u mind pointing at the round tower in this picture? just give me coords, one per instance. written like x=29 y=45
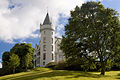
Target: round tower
x=47 y=42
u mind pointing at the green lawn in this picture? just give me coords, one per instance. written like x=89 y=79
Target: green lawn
x=48 y=74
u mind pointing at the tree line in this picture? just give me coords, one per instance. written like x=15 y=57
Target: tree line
x=18 y=59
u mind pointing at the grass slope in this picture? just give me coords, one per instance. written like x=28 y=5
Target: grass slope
x=48 y=74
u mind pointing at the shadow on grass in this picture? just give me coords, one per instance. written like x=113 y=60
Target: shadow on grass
x=118 y=76
x=52 y=74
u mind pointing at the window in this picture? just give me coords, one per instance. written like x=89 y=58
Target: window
x=52 y=33
x=52 y=40
x=44 y=39
x=44 y=32
x=44 y=47
x=52 y=56
x=38 y=53
x=43 y=63
x=34 y=56
x=35 y=63
x=52 y=47
x=44 y=56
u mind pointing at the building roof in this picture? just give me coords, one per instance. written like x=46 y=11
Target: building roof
x=47 y=20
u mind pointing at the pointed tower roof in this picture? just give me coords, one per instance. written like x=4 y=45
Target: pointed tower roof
x=47 y=20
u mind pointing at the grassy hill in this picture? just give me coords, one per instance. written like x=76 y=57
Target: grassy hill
x=48 y=74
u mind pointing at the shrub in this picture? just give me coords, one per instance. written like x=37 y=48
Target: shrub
x=61 y=65
x=51 y=65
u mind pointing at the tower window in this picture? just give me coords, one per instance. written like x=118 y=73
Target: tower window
x=52 y=56
x=44 y=39
x=52 y=33
x=44 y=47
x=52 y=40
x=52 y=47
x=44 y=32
x=44 y=56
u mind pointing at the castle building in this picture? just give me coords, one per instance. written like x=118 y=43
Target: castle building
x=48 y=49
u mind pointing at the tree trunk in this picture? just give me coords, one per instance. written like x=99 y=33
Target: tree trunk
x=13 y=70
x=103 y=68
x=26 y=68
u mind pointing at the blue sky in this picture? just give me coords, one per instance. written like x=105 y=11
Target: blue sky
x=20 y=19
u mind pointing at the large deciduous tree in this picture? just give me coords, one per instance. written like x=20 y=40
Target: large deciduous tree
x=22 y=50
x=92 y=33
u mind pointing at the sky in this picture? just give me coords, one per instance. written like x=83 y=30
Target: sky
x=20 y=19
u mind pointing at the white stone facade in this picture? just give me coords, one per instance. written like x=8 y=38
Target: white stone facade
x=48 y=49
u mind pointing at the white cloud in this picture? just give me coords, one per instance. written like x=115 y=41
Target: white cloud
x=24 y=16
x=0 y=59
x=58 y=35
x=0 y=65
x=59 y=27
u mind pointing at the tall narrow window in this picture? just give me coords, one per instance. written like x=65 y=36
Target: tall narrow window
x=44 y=47
x=44 y=32
x=52 y=47
x=38 y=53
x=44 y=39
x=52 y=56
x=52 y=40
x=52 y=33
x=44 y=56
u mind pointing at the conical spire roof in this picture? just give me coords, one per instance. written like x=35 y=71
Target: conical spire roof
x=47 y=20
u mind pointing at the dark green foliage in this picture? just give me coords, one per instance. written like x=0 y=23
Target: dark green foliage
x=5 y=58
x=27 y=60
x=92 y=34
x=51 y=65
x=25 y=57
x=116 y=62
x=61 y=65
x=22 y=50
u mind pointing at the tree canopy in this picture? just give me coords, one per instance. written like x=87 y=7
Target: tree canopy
x=93 y=34
x=20 y=58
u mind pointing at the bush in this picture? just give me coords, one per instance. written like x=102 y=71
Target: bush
x=50 y=65
x=61 y=65
x=5 y=71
